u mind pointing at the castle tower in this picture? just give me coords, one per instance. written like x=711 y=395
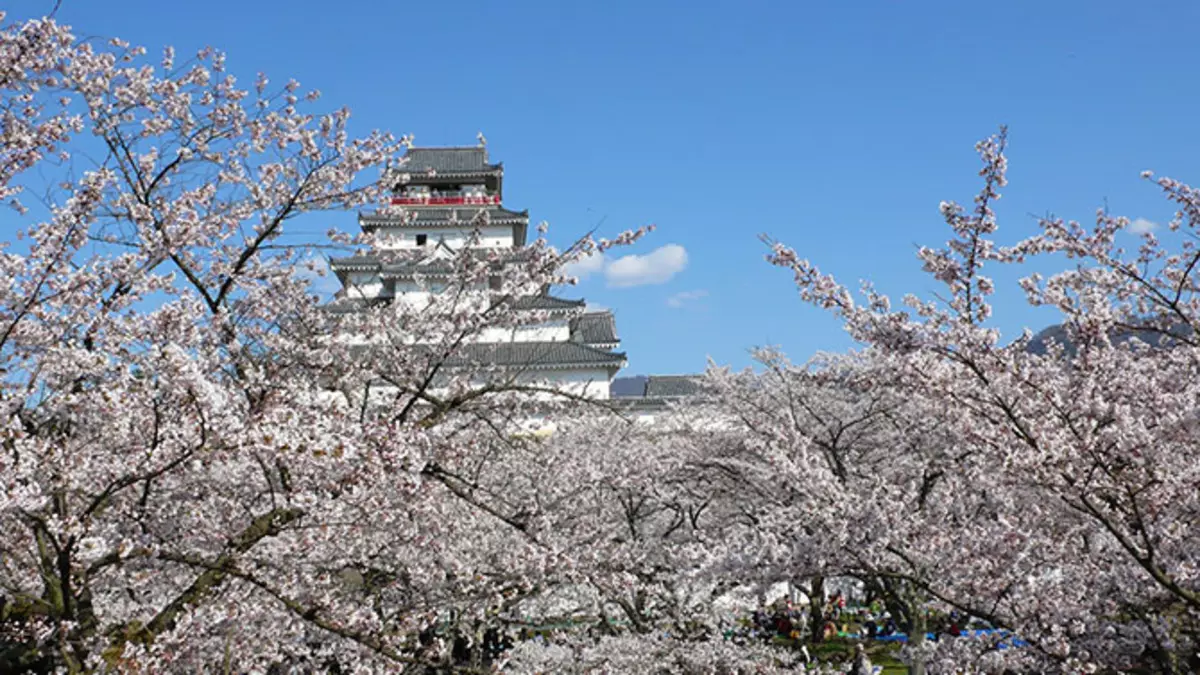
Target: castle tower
x=450 y=198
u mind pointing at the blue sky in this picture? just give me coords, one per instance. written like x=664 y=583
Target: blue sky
x=834 y=127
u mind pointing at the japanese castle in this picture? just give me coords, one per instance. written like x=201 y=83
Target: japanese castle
x=435 y=213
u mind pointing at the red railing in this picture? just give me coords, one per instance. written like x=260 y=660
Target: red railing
x=447 y=201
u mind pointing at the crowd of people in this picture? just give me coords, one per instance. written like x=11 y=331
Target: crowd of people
x=787 y=620
x=783 y=622
x=481 y=646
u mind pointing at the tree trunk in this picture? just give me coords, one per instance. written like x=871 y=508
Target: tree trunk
x=916 y=639
x=816 y=610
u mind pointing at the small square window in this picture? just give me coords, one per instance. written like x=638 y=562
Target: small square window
x=495 y=283
x=422 y=239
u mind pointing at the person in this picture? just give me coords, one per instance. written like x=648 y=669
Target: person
x=461 y=650
x=861 y=664
x=783 y=625
x=491 y=644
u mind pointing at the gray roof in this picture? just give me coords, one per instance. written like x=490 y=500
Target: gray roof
x=529 y=355
x=443 y=267
x=655 y=392
x=412 y=261
x=673 y=385
x=548 y=303
x=448 y=160
x=595 y=328
x=441 y=216
x=538 y=355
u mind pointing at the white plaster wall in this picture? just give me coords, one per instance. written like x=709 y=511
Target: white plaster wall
x=366 y=285
x=590 y=383
x=415 y=299
x=579 y=382
x=434 y=284
x=556 y=330
x=491 y=236
x=574 y=382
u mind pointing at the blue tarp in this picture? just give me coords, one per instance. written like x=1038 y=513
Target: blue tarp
x=1006 y=642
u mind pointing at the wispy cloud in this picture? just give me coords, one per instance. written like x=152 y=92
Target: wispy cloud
x=1142 y=226
x=655 y=267
x=585 y=267
x=683 y=298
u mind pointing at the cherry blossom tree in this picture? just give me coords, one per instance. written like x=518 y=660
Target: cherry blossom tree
x=201 y=468
x=1058 y=490
x=644 y=531
x=848 y=478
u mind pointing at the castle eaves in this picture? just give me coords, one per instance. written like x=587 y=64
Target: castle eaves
x=448 y=160
x=432 y=216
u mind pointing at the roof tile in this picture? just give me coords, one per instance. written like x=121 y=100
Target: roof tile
x=429 y=216
x=527 y=355
x=673 y=385
x=594 y=328
x=447 y=160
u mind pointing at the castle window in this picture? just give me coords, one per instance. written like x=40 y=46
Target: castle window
x=422 y=239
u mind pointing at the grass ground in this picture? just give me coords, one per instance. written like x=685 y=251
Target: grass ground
x=841 y=650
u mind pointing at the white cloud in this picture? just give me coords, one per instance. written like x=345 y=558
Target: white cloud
x=1142 y=226
x=685 y=297
x=656 y=267
x=585 y=267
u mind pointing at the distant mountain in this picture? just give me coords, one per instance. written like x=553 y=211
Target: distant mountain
x=628 y=386
x=1039 y=343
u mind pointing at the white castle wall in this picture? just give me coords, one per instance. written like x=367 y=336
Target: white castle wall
x=405 y=238
x=366 y=285
x=574 y=382
x=555 y=330
x=589 y=383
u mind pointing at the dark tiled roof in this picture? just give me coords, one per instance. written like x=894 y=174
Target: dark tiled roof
x=641 y=403
x=354 y=261
x=448 y=160
x=673 y=385
x=436 y=267
x=348 y=305
x=538 y=354
x=410 y=260
x=440 y=216
x=546 y=302
x=594 y=328
x=529 y=355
